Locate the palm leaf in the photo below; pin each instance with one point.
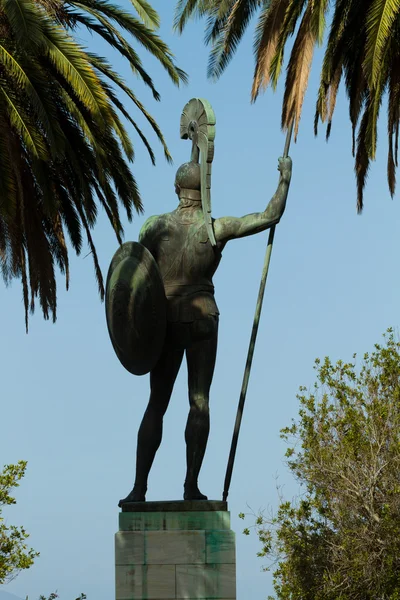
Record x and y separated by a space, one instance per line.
16 71
128 117
70 218
69 60
149 40
332 98
97 269
146 12
298 73
102 65
8 188
20 122
363 161
236 24
376 97
332 68
123 137
112 36
268 35
393 119
186 9
25 19
380 19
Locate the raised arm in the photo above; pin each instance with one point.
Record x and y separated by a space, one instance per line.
230 228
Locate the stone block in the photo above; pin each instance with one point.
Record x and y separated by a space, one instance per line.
129 548
206 581
142 582
175 547
171 521
220 547
171 555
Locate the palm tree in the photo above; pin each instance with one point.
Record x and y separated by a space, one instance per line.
63 146
363 49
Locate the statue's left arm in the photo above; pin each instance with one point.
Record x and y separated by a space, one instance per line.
230 228
146 235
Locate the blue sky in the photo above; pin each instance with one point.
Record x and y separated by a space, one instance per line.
71 410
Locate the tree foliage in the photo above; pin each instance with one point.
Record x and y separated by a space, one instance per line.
54 596
14 553
341 538
64 149
362 50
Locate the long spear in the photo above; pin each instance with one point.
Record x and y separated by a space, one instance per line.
252 344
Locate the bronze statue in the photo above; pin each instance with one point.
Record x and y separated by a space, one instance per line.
187 246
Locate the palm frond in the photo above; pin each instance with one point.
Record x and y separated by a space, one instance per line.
97 269
376 97
146 37
217 19
69 60
17 72
102 65
332 69
393 119
147 13
332 97
298 73
128 117
120 44
235 20
380 19
363 161
268 34
25 20
21 123
187 9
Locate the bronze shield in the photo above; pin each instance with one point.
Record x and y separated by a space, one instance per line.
136 308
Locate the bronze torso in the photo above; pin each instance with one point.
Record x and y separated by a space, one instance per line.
187 262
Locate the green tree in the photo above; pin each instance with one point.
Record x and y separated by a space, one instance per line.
341 538
54 596
63 147
362 48
14 553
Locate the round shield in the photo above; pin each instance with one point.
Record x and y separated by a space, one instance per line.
136 308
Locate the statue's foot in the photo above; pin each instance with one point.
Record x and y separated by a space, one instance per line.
136 495
193 493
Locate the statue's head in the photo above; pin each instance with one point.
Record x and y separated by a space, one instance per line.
188 177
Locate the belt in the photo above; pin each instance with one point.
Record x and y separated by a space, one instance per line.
182 289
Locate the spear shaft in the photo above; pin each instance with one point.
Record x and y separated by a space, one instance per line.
252 344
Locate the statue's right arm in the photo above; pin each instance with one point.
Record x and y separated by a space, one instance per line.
230 228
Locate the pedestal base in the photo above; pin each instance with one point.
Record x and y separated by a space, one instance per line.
175 550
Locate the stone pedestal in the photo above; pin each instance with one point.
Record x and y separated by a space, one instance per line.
175 550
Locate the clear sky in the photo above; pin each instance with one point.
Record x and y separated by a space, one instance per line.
71 410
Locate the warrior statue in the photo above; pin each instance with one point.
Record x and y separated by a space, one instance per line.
186 246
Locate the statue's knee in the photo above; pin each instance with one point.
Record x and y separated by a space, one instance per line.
199 403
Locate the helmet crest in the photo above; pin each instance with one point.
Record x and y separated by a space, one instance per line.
198 124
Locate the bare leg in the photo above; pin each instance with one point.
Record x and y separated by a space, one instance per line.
162 380
201 361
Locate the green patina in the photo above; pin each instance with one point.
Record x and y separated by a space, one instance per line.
174 521
175 554
220 547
